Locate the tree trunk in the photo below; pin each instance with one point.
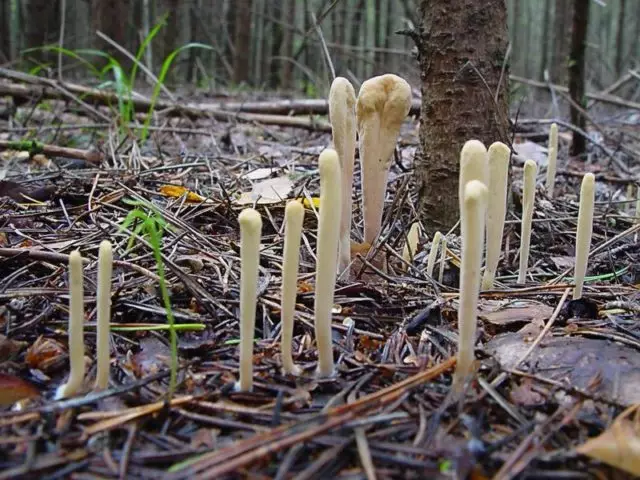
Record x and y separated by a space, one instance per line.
620 46
275 64
545 39
461 45
242 41
577 71
41 23
356 24
561 41
5 29
287 46
110 17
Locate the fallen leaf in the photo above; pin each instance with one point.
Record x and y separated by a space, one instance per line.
619 445
314 200
46 354
525 395
177 191
272 190
13 389
260 173
515 312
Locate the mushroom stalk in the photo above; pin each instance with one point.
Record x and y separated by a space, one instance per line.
552 159
327 256
528 197
250 231
433 253
342 100
497 209
294 216
76 328
105 267
472 226
583 236
382 105
411 246
443 259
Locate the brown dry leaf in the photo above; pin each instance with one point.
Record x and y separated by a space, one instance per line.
619 445
178 191
13 389
272 190
515 312
46 354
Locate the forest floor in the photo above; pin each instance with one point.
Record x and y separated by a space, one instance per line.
552 373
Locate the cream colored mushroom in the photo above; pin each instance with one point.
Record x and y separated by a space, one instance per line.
585 228
411 247
76 329
382 105
552 159
474 165
499 155
294 217
433 253
327 256
473 218
528 200
103 301
342 100
250 232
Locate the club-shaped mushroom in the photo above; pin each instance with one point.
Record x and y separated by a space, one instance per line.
327 256
294 216
411 247
497 209
76 329
553 158
103 301
473 224
250 232
528 200
585 227
342 100
382 105
474 165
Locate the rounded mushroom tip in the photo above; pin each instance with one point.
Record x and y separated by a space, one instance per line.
250 218
589 180
75 257
329 162
105 247
499 149
387 92
530 166
475 192
342 88
554 127
294 208
473 147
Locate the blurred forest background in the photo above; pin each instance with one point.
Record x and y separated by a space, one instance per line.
275 45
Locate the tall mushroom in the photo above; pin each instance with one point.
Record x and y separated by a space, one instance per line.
294 216
498 178
250 231
552 159
473 224
342 100
103 301
327 256
76 328
583 235
382 105
528 201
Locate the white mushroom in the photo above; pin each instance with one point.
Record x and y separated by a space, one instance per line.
585 227
528 200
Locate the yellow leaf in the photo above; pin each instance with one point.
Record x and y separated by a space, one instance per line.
619 445
307 203
177 191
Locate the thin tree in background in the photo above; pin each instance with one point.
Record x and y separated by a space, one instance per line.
41 26
577 72
561 37
620 46
287 45
110 17
461 52
242 41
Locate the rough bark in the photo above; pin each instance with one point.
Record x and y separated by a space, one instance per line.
561 41
287 46
620 46
41 24
461 50
577 71
110 17
242 41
